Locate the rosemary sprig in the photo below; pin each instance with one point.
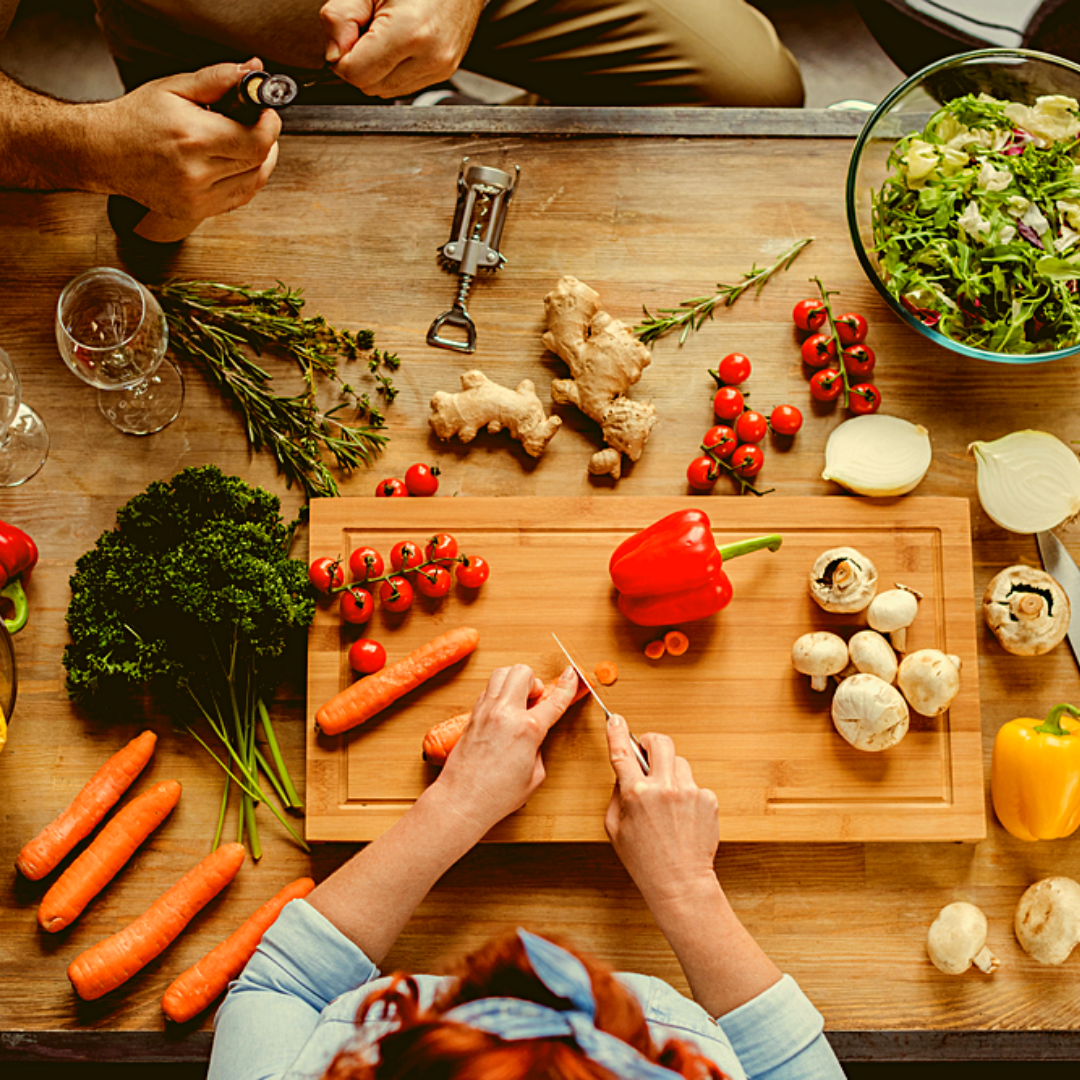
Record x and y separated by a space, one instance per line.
218 326
690 314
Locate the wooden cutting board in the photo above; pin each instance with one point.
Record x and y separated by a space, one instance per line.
751 727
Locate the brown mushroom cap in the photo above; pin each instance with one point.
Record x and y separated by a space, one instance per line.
843 580
1027 610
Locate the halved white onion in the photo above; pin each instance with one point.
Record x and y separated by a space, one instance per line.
877 455
1028 480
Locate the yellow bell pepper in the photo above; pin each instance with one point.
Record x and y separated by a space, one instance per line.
1035 775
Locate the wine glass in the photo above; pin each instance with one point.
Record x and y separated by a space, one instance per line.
24 439
112 333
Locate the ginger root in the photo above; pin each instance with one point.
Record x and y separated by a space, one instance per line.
605 359
483 403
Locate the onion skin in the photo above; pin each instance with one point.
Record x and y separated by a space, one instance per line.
877 455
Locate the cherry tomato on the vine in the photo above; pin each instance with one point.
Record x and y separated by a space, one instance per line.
785 420
357 605
326 574
734 369
748 460
818 350
395 594
751 427
850 328
826 385
472 571
859 359
702 473
365 563
366 656
864 398
392 488
720 440
441 546
728 403
421 479
433 581
809 314
405 556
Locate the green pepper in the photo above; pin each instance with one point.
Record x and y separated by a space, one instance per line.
18 556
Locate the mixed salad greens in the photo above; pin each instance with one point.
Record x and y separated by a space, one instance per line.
977 226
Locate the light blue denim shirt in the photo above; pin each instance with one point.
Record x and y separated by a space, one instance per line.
294 1006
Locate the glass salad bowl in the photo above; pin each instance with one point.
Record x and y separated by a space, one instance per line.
965 213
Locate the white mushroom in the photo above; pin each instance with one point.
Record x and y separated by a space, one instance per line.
869 713
871 653
892 612
1027 610
957 939
843 580
930 680
819 655
1047 921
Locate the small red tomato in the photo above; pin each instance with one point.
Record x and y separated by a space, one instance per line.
728 403
441 547
472 571
326 574
859 359
850 328
720 440
818 350
826 385
748 460
421 479
391 488
864 398
809 314
751 427
395 594
433 581
365 563
405 556
734 369
357 605
785 420
702 473
366 656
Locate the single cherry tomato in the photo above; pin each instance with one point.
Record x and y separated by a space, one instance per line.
441 547
405 556
809 314
326 574
751 427
826 385
864 398
357 605
785 420
850 328
748 460
472 571
702 473
396 594
421 479
720 440
734 369
365 563
366 656
392 488
728 403
859 359
818 350
433 581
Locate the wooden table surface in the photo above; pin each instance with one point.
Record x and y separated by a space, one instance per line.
645 219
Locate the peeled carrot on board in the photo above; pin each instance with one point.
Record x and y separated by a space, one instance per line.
101 793
106 855
209 977
365 697
111 962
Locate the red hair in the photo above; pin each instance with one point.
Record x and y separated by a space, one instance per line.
425 1045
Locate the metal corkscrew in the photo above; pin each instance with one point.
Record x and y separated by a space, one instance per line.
483 195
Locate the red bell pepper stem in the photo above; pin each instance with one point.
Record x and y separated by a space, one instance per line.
13 591
744 547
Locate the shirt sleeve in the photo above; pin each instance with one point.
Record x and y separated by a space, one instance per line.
302 963
779 1035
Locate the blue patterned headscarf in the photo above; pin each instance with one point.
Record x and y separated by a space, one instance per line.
565 976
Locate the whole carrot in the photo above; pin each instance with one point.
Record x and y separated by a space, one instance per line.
106 855
197 987
364 698
47 850
111 962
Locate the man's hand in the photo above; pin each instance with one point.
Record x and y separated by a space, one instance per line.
392 48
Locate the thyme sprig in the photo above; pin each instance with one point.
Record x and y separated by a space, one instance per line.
218 327
690 314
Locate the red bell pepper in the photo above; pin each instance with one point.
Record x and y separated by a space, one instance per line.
671 572
18 556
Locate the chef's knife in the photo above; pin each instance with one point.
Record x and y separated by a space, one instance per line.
1061 566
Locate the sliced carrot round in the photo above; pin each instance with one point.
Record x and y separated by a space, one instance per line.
655 649
676 642
606 672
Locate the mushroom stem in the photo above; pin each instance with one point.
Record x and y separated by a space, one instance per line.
985 960
819 682
1029 606
898 638
842 573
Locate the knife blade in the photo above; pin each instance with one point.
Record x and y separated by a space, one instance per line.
639 752
1061 566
